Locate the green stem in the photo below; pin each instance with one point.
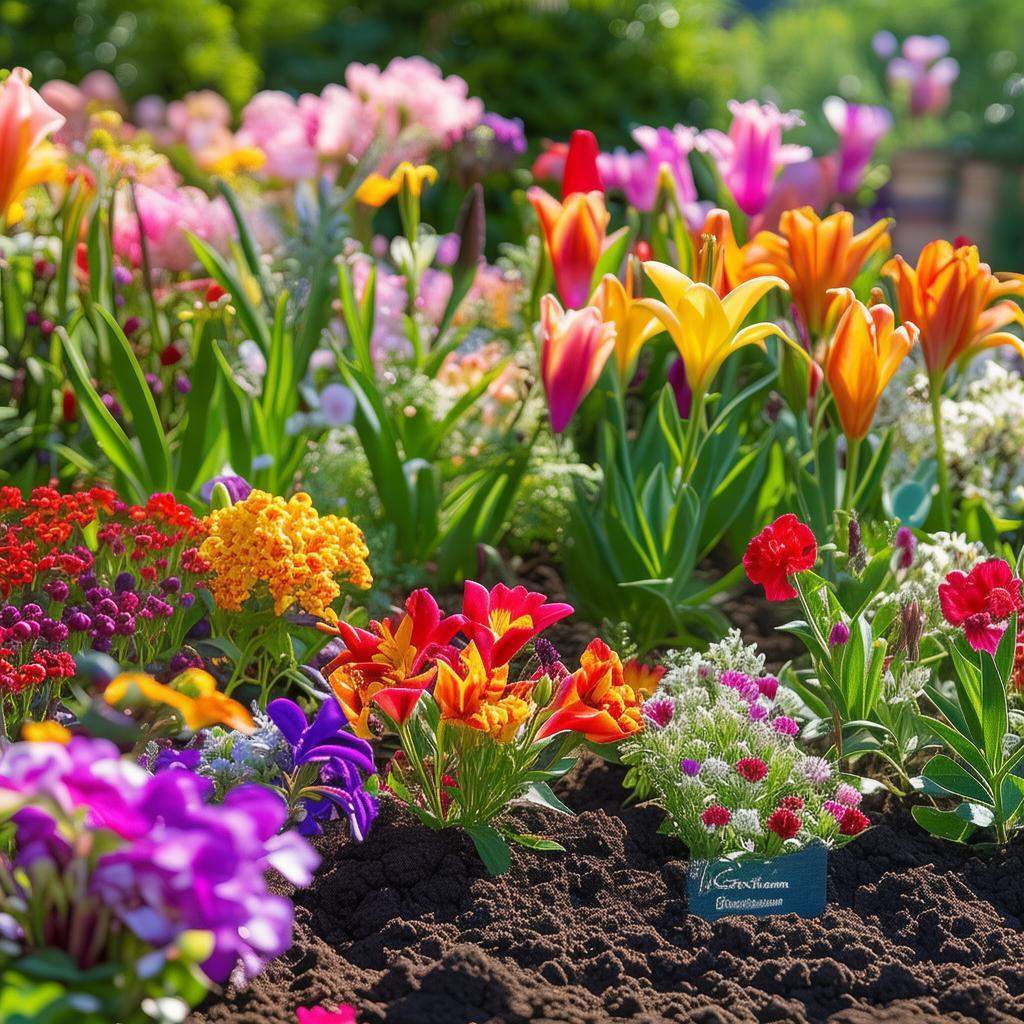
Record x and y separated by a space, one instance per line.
853 446
945 504
693 429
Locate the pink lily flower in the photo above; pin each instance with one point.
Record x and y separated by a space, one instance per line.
753 152
575 347
860 127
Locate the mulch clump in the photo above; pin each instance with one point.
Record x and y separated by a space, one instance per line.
409 928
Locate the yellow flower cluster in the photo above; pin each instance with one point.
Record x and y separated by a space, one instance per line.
297 553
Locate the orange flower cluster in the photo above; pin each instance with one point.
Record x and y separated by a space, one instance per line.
596 701
298 554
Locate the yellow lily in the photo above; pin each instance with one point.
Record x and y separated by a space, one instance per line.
377 189
707 329
634 324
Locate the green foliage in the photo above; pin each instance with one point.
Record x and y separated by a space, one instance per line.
981 771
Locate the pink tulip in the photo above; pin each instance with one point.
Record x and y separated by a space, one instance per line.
859 127
809 183
25 121
575 346
753 152
926 72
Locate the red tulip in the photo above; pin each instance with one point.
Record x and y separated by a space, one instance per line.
581 173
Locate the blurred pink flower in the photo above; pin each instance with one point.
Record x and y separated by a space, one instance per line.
285 129
860 127
808 183
926 73
166 215
636 174
753 152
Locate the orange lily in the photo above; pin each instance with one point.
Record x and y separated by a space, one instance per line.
45 732
480 698
865 352
815 256
194 697
25 121
634 325
728 258
575 346
595 700
575 235
951 295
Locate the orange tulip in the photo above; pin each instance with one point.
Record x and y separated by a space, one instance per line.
865 351
595 701
951 295
634 325
815 256
575 235
25 121
479 698
642 679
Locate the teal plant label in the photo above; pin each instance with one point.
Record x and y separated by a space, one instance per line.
793 883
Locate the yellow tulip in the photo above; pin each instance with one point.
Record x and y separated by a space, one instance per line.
634 324
707 329
377 189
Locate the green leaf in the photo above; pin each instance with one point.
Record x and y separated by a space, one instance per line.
491 847
532 842
134 393
950 777
105 429
201 404
540 793
944 824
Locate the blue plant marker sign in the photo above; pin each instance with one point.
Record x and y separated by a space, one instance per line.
793 883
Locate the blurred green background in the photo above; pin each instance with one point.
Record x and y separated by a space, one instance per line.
558 64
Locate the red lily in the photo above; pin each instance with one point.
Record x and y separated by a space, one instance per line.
501 621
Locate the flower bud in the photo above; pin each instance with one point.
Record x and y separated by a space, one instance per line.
840 635
543 691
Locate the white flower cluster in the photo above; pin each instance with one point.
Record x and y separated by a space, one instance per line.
983 431
230 757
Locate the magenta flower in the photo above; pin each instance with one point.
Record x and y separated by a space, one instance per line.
860 127
636 174
753 152
659 711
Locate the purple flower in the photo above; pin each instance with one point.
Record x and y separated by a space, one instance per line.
167 860
753 152
238 487
839 635
860 127
906 546
659 711
341 756
785 726
170 758
680 387
337 405
689 767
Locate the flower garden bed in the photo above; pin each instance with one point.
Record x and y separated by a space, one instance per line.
411 930
403 626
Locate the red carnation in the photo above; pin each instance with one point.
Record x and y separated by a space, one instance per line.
777 552
852 822
716 816
214 292
792 803
784 823
981 601
753 769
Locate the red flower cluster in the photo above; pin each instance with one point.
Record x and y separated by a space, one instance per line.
44 665
784 823
753 769
716 816
981 601
779 551
853 822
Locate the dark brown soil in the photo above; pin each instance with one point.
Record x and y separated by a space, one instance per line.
409 929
